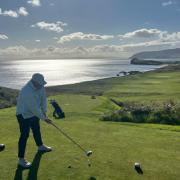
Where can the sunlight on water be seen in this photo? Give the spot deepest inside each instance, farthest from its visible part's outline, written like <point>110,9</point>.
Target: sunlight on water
<point>15,74</point>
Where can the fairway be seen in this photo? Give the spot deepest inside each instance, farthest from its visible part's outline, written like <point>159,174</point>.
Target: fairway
<point>116,146</point>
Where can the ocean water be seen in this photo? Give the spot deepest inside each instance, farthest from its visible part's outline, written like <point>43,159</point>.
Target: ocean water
<point>15,73</point>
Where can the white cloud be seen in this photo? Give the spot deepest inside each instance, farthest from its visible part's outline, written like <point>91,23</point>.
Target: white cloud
<point>22,11</point>
<point>168,3</point>
<point>155,40</point>
<point>164,40</point>
<point>152,35</point>
<point>14,14</point>
<point>3,36</point>
<point>34,2</point>
<point>9,13</point>
<point>56,27</point>
<point>170,37</point>
<point>148,46</point>
<point>98,51</point>
<point>142,33</point>
<point>82,36</point>
<point>37,40</point>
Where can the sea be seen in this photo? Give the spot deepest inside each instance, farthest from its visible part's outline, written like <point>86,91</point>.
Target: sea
<point>15,73</point>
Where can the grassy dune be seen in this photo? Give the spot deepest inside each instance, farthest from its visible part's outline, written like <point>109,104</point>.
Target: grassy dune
<point>116,146</point>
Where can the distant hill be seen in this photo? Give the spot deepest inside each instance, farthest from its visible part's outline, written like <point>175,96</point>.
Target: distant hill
<point>164,54</point>
<point>145,62</point>
<point>138,61</point>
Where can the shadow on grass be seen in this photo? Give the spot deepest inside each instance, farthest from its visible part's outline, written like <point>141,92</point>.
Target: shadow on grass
<point>33,171</point>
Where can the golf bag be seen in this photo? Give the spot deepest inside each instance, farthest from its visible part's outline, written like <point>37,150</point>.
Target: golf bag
<point>57,113</point>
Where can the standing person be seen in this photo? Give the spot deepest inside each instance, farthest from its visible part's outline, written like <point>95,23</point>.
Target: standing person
<point>31,107</point>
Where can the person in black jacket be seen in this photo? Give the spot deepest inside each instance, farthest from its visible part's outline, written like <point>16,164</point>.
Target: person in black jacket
<point>58,113</point>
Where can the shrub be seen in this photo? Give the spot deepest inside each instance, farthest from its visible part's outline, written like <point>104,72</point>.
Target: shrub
<point>117,116</point>
<point>167,113</point>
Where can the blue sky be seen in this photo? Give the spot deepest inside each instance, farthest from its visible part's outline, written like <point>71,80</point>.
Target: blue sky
<point>82,28</point>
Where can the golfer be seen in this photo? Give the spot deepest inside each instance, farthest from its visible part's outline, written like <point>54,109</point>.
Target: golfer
<point>31,107</point>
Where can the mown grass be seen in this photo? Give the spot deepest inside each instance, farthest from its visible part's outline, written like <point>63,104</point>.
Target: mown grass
<point>116,146</point>
<point>148,87</point>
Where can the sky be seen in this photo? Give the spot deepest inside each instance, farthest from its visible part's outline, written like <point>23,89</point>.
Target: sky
<point>87,28</point>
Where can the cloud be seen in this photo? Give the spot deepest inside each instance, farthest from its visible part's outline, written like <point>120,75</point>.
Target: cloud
<point>163,40</point>
<point>151,35</point>
<point>141,33</point>
<point>82,36</point>
<point>98,51</point>
<point>155,40</point>
<point>170,37</point>
<point>56,27</point>
<point>3,36</point>
<point>37,40</point>
<point>149,46</point>
<point>168,3</point>
<point>9,13</point>
<point>14,14</point>
<point>22,11</point>
<point>34,2</point>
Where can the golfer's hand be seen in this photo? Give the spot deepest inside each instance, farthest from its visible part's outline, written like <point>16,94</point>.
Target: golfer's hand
<point>48,121</point>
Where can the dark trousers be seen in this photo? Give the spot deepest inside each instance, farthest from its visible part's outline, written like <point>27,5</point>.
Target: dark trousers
<point>25,125</point>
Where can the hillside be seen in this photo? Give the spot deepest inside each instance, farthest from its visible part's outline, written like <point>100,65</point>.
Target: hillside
<point>164,54</point>
<point>7,97</point>
<point>145,62</point>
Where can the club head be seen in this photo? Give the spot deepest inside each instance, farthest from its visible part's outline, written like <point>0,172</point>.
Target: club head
<point>89,153</point>
<point>137,167</point>
<point>2,147</point>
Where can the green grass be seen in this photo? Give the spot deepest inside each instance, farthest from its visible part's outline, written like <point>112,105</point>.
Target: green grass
<point>116,146</point>
<point>148,87</point>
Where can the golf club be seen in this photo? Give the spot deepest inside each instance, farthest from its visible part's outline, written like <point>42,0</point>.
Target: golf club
<point>88,153</point>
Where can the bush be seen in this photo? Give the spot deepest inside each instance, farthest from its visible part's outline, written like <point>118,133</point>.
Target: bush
<point>167,113</point>
<point>141,114</point>
<point>117,117</point>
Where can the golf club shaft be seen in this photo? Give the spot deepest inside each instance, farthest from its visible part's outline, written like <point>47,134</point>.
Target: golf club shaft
<point>68,137</point>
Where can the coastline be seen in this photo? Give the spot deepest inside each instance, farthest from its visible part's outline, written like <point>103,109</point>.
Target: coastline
<point>94,87</point>
<point>63,72</point>
<point>165,67</point>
